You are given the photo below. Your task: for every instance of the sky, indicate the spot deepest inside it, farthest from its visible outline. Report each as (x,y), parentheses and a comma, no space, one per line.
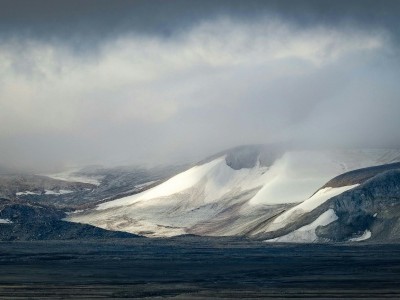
(158,82)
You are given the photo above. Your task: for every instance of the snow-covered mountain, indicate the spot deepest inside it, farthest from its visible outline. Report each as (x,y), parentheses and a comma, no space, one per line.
(256,191)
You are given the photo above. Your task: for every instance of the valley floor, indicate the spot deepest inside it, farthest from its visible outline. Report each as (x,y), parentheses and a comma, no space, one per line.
(197,268)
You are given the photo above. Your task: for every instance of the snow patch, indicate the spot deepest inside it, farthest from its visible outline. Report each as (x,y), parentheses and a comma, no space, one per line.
(308,205)
(46,192)
(365,236)
(306,234)
(60,192)
(26,193)
(5,221)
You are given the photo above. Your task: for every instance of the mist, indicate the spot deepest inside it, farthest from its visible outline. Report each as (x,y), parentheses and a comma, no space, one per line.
(134,82)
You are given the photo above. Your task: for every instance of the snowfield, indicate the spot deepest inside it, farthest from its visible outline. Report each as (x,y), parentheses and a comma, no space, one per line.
(306,234)
(215,199)
(218,178)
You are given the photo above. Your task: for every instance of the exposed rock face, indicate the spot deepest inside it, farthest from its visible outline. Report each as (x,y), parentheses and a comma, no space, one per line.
(369,211)
(373,206)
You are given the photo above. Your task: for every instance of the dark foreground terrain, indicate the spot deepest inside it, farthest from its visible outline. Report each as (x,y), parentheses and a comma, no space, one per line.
(196,268)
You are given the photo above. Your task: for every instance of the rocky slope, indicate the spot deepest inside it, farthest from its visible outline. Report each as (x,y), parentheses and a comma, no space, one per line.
(21,221)
(368,209)
(82,188)
(14,186)
(32,206)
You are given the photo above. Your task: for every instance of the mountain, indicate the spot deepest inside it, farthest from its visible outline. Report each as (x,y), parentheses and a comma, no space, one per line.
(32,206)
(260,191)
(78,188)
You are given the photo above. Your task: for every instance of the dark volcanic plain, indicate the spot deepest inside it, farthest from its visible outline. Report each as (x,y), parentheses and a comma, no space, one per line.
(197,268)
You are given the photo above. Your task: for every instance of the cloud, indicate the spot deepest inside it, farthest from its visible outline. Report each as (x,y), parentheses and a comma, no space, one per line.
(221,82)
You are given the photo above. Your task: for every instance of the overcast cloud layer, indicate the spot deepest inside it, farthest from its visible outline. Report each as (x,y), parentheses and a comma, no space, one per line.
(117,82)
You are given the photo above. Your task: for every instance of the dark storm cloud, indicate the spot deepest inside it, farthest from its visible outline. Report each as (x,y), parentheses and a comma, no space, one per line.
(159,81)
(91,20)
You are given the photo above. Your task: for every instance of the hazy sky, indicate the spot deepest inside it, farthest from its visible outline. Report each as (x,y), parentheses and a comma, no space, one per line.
(118,82)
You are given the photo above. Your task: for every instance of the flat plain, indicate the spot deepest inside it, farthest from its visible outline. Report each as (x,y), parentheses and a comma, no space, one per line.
(197,268)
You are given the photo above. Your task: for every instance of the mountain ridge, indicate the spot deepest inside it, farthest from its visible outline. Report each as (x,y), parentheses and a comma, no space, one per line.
(217,199)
